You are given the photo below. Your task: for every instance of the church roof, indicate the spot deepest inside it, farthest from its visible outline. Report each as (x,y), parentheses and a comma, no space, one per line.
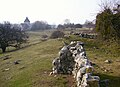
(27,20)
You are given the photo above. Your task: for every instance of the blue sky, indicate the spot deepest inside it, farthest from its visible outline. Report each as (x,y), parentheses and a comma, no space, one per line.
(52,11)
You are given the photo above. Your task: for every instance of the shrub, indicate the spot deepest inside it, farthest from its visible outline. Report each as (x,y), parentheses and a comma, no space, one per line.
(44,36)
(108,24)
(57,34)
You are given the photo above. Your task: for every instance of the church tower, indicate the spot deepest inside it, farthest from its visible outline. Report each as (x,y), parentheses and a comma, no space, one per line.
(26,25)
(26,21)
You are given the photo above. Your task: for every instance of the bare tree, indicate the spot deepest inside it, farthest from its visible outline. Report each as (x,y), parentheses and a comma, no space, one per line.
(11,36)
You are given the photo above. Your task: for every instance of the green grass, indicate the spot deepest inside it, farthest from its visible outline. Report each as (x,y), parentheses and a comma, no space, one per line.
(35,63)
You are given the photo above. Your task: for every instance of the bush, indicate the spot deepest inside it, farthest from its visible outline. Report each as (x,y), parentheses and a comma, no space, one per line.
(108,24)
(57,34)
(44,36)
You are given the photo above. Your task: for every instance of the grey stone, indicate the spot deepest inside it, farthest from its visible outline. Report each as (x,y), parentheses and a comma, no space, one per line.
(16,62)
(108,61)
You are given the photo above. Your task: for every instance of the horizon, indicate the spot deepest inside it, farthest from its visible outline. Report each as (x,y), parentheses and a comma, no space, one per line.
(53,11)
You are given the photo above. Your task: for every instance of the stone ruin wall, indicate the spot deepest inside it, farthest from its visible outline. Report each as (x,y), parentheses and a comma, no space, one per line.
(73,60)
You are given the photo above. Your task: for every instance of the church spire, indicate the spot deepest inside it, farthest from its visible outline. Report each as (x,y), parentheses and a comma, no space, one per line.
(27,20)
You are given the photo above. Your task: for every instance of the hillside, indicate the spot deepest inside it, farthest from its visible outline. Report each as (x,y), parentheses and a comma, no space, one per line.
(35,64)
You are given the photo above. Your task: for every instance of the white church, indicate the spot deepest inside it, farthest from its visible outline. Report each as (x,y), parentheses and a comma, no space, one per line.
(26,25)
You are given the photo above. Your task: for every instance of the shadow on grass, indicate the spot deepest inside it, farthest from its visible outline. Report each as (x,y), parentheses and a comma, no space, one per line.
(20,48)
(109,81)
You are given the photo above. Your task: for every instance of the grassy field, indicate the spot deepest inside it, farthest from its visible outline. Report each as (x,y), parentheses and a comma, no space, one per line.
(35,63)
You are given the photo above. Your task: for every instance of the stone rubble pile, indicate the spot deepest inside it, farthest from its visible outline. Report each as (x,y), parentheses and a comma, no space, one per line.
(73,60)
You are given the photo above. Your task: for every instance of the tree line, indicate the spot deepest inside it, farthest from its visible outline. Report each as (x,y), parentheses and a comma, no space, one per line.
(42,25)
